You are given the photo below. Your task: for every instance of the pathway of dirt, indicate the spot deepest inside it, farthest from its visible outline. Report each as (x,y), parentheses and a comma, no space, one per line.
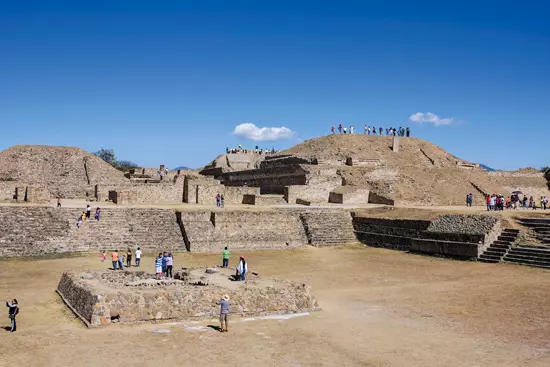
(380,308)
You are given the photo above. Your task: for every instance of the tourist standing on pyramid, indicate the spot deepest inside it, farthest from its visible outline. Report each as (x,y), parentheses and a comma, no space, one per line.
(13,311)
(138,257)
(224,313)
(332,130)
(381,131)
(222,201)
(114,259)
(218,197)
(340,128)
(225,258)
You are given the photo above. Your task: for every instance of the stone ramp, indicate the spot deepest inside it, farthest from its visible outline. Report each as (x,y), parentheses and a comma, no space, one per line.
(328,228)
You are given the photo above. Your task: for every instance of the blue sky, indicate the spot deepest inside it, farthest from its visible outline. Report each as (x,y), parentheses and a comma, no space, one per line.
(168,82)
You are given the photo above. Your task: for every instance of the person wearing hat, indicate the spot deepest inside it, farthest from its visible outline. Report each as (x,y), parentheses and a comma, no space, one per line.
(224,313)
(242,268)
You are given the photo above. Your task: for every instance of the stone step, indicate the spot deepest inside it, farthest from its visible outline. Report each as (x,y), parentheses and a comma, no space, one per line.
(524,257)
(495,251)
(507,238)
(500,245)
(541,250)
(511,230)
(526,261)
(489,259)
(535,220)
(499,242)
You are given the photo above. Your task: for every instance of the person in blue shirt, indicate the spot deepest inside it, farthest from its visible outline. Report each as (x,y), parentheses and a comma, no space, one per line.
(164,259)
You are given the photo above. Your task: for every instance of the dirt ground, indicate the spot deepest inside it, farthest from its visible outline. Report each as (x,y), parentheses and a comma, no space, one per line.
(380,308)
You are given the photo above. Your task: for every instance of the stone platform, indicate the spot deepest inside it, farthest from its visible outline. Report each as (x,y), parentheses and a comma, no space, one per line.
(100,297)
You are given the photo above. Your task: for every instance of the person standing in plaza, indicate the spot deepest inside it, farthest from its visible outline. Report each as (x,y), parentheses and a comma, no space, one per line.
(225,258)
(222,201)
(163,263)
(158,266)
(88,211)
(224,313)
(59,202)
(169,265)
(12,312)
(242,268)
(114,259)
(129,258)
(121,261)
(138,257)
(104,256)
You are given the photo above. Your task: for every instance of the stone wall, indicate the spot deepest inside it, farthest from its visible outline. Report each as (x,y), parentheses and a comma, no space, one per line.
(461,236)
(206,194)
(33,231)
(166,191)
(349,195)
(263,200)
(317,190)
(212,231)
(136,297)
(7,190)
(271,181)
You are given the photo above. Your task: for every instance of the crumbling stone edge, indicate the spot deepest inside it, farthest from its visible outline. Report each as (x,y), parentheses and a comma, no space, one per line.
(86,322)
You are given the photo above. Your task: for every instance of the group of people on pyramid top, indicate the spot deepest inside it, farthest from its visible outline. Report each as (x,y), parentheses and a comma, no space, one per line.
(256,150)
(373,130)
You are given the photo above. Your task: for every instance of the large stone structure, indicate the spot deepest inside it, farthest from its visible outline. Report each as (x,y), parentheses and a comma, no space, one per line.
(460,236)
(97,297)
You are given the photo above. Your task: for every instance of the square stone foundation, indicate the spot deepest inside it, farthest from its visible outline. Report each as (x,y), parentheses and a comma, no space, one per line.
(135,296)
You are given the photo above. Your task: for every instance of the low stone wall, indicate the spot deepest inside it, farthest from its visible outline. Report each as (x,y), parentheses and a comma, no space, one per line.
(137,297)
(18,191)
(375,198)
(263,200)
(206,194)
(460,236)
(143,192)
(349,195)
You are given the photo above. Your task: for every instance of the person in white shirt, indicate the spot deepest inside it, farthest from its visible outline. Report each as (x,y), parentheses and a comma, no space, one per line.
(138,256)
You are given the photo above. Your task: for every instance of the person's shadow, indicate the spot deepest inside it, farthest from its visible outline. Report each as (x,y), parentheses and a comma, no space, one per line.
(217,328)
(7,328)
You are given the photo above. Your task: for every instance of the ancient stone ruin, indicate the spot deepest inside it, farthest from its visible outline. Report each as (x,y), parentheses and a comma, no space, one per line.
(101,297)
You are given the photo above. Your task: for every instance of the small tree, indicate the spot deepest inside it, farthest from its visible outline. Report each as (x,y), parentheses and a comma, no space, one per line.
(546,172)
(125,165)
(108,155)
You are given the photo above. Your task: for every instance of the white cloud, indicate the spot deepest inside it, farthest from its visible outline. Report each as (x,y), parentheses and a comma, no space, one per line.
(430,118)
(253,132)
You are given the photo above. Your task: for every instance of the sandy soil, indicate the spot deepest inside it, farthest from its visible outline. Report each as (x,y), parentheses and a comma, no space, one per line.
(380,308)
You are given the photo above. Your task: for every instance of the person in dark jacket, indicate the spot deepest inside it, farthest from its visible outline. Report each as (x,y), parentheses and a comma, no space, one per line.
(13,311)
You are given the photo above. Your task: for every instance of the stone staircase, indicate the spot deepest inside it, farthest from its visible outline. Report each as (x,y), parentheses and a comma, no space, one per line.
(328,228)
(538,256)
(499,248)
(541,226)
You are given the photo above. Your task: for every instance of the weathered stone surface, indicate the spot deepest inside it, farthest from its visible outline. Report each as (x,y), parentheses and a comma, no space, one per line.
(472,224)
(98,298)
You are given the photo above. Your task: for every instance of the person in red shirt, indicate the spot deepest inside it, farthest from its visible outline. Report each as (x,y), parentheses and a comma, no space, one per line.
(340,128)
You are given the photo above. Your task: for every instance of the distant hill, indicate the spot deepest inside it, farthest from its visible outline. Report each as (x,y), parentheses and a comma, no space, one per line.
(487,168)
(183,168)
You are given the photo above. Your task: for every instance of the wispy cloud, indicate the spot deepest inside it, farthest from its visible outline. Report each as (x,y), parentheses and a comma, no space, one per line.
(250,131)
(431,118)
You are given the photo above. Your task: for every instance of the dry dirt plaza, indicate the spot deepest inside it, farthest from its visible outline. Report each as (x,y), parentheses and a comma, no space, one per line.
(379,308)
